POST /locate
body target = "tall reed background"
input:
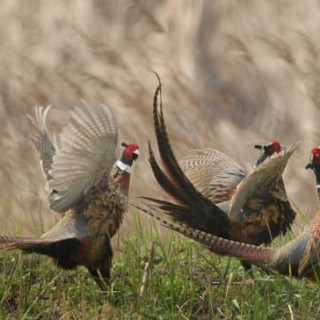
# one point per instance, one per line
(234, 73)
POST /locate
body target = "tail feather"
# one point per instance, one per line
(168, 158)
(243, 251)
(196, 207)
(15, 242)
(64, 252)
(184, 215)
(163, 180)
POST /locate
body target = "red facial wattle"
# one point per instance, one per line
(268, 151)
(315, 158)
(274, 147)
(131, 151)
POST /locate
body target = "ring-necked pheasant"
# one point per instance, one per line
(259, 209)
(86, 186)
(300, 257)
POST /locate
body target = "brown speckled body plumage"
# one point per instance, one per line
(264, 217)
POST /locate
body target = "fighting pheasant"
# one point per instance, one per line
(258, 210)
(86, 186)
(300, 257)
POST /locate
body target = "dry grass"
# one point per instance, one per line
(233, 73)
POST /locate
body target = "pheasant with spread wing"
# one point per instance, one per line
(300, 257)
(258, 210)
(86, 186)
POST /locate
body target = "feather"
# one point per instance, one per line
(213, 173)
(311, 258)
(261, 180)
(41, 139)
(87, 152)
(216, 244)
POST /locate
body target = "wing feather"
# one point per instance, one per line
(87, 151)
(213, 173)
(261, 180)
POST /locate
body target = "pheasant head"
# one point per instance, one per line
(129, 155)
(120, 175)
(268, 150)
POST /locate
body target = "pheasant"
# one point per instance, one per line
(299, 258)
(258, 211)
(86, 186)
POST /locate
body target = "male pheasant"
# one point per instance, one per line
(86, 186)
(259, 209)
(300, 257)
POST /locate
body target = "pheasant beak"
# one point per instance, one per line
(135, 154)
(283, 147)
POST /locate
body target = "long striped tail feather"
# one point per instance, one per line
(169, 161)
(164, 181)
(257, 255)
(173, 180)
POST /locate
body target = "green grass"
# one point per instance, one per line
(186, 282)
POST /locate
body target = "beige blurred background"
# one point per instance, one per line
(234, 73)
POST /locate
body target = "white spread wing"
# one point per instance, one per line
(87, 151)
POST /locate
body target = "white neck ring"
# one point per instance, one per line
(123, 166)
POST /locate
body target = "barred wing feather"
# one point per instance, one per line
(87, 151)
(213, 173)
